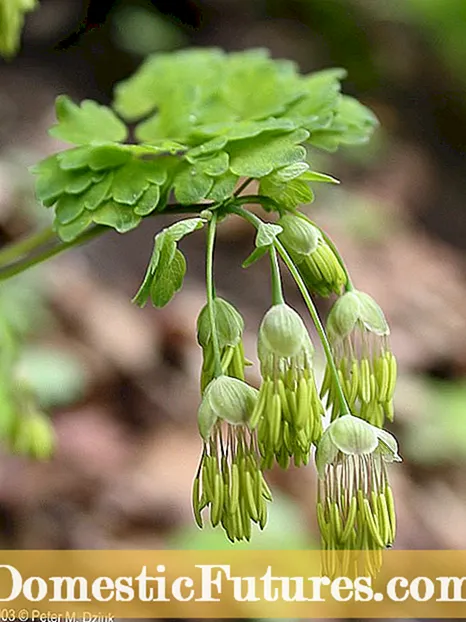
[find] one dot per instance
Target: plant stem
(21, 266)
(211, 229)
(277, 290)
(35, 241)
(15, 250)
(256, 221)
(317, 322)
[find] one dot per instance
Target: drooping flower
(355, 508)
(230, 326)
(229, 480)
(288, 411)
(358, 333)
(316, 261)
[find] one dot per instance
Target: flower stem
(16, 250)
(277, 290)
(256, 222)
(211, 229)
(345, 410)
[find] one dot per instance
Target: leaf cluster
(202, 120)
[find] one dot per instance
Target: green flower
(288, 411)
(229, 481)
(316, 261)
(358, 333)
(230, 327)
(355, 508)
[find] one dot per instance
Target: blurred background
(121, 383)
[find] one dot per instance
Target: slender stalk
(277, 290)
(48, 253)
(345, 410)
(211, 229)
(15, 250)
(256, 221)
(35, 241)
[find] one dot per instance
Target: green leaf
(51, 180)
(98, 192)
(69, 231)
(163, 254)
(256, 254)
(168, 280)
(320, 177)
(184, 227)
(317, 109)
(148, 201)
(266, 234)
(191, 185)
(69, 207)
(214, 165)
(113, 214)
(257, 87)
(353, 124)
(289, 194)
(223, 187)
(133, 179)
(80, 182)
(88, 123)
(151, 86)
(260, 156)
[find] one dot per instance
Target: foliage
(204, 119)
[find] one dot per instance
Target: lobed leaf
(88, 123)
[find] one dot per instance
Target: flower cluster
(316, 261)
(355, 508)
(229, 481)
(288, 411)
(247, 431)
(358, 333)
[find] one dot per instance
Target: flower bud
(358, 334)
(226, 399)
(299, 236)
(351, 308)
(288, 411)
(282, 332)
(355, 508)
(316, 261)
(230, 326)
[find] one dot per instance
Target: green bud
(228, 321)
(225, 399)
(299, 235)
(282, 332)
(351, 308)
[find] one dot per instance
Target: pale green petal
(352, 435)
